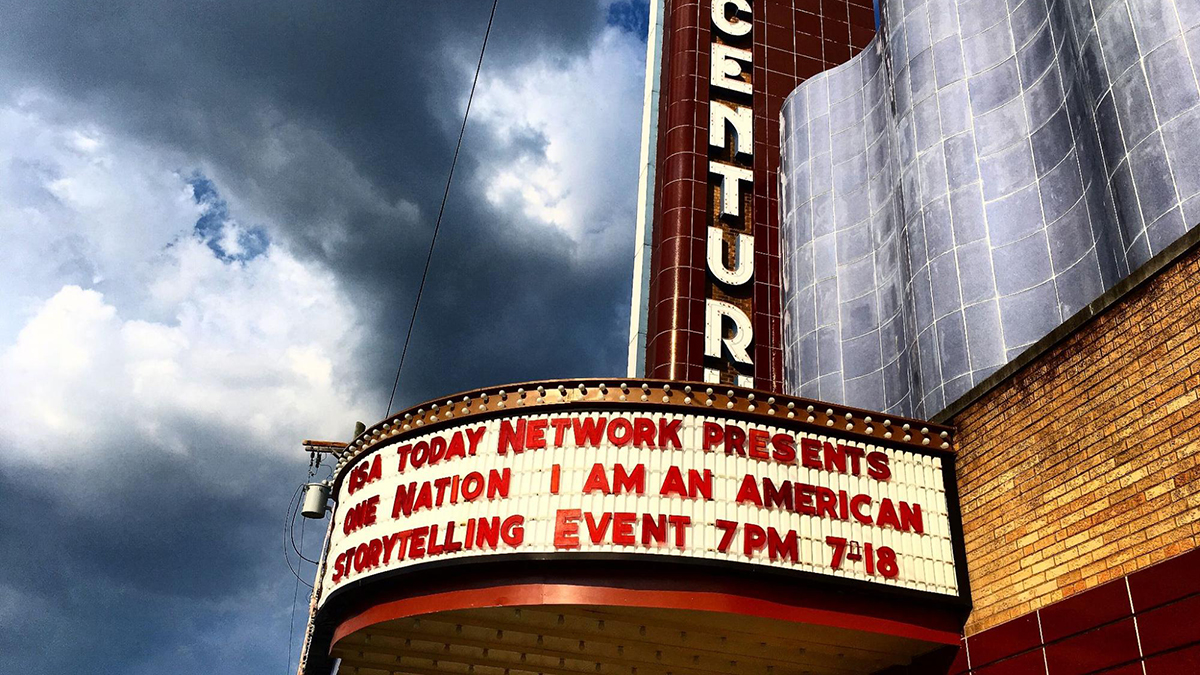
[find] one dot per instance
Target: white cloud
(78, 206)
(587, 112)
(252, 352)
(125, 330)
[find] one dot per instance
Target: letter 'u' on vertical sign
(738, 344)
(743, 257)
(728, 22)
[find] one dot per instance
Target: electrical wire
(292, 531)
(287, 524)
(438, 224)
(288, 520)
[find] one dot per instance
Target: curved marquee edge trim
(547, 396)
(524, 595)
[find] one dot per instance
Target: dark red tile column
(675, 328)
(792, 41)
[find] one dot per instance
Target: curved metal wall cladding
(979, 174)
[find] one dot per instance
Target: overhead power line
(441, 210)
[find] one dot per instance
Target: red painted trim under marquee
(568, 594)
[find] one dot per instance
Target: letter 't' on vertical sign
(731, 189)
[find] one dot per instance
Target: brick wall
(1083, 465)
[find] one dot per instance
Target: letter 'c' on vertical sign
(738, 344)
(726, 70)
(734, 26)
(743, 257)
(721, 115)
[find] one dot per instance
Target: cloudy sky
(213, 218)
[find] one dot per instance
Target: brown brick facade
(1082, 466)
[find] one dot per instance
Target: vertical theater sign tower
(707, 295)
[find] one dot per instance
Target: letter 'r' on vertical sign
(743, 257)
(726, 71)
(722, 115)
(728, 22)
(714, 334)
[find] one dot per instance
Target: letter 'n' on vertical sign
(721, 117)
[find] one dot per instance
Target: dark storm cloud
(141, 565)
(382, 83)
(156, 565)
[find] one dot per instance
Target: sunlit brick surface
(1084, 466)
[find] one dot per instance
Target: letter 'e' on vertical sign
(727, 68)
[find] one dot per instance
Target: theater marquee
(713, 486)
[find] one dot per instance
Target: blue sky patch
(630, 15)
(249, 242)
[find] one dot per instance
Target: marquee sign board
(700, 486)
